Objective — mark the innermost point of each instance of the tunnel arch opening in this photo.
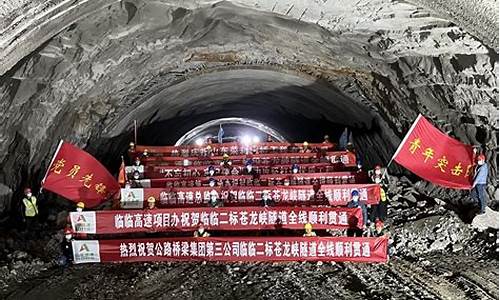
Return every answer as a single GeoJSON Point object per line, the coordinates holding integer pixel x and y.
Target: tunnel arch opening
{"type": "Point", "coordinates": [207, 129]}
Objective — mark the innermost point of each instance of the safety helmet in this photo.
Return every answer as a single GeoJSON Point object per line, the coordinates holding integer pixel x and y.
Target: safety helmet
{"type": "Point", "coordinates": [151, 199]}
{"type": "Point", "coordinates": [305, 144]}
{"type": "Point", "coordinates": [68, 230]}
{"type": "Point", "coordinates": [131, 144]}
{"type": "Point", "coordinates": [27, 190]}
{"type": "Point", "coordinates": [308, 226]}
{"type": "Point", "coordinates": [225, 155]}
{"type": "Point", "coordinates": [80, 205]}
{"type": "Point", "coordinates": [326, 137]}
{"type": "Point", "coordinates": [481, 157]}
{"type": "Point", "coordinates": [378, 167]}
{"type": "Point", "coordinates": [354, 193]}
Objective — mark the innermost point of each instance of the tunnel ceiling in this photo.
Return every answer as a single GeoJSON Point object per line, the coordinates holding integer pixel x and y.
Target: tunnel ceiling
{"type": "Point", "coordinates": [84, 70]}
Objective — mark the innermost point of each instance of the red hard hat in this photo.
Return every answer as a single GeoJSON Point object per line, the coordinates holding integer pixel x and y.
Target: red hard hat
{"type": "Point", "coordinates": [27, 190]}
{"type": "Point", "coordinates": [481, 157]}
{"type": "Point", "coordinates": [68, 230]}
{"type": "Point", "coordinates": [378, 167]}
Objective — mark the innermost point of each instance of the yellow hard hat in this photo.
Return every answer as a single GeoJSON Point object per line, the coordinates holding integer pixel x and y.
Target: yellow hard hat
{"type": "Point", "coordinates": [308, 226]}
{"type": "Point", "coordinates": [80, 205]}
{"type": "Point", "coordinates": [131, 144]}
{"type": "Point", "coordinates": [305, 144]}
{"type": "Point", "coordinates": [225, 155]}
{"type": "Point", "coordinates": [151, 199]}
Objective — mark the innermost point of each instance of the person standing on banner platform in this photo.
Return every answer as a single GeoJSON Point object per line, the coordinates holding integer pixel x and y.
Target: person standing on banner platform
{"type": "Point", "coordinates": [30, 209]}
{"type": "Point", "coordinates": [355, 203]}
{"type": "Point", "coordinates": [478, 191]}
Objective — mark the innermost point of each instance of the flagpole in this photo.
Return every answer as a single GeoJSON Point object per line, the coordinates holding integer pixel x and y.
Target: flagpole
{"type": "Point", "coordinates": [51, 161]}
{"type": "Point", "coordinates": [402, 143]}
{"type": "Point", "coordinates": [135, 132]}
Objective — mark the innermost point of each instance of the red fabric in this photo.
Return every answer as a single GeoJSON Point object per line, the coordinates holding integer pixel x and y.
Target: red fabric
{"type": "Point", "coordinates": [335, 195]}
{"type": "Point", "coordinates": [242, 180]}
{"type": "Point", "coordinates": [362, 249]}
{"type": "Point", "coordinates": [91, 183]}
{"type": "Point", "coordinates": [451, 162]}
{"type": "Point", "coordinates": [224, 218]}
{"type": "Point", "coordinates": [196, 171]}
{"type": "Point", "coordinates": [269, 156]}
{"type": "Point", "coordinates": [230, 148]}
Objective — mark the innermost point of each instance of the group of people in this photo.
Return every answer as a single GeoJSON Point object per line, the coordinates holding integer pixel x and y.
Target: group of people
{"type": "Point", "coordinates": [374, 216]}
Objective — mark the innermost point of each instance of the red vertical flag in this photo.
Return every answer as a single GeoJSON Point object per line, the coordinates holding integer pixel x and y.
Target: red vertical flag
{"type": "Point", "coordinates": [436, 157]}
{"type": "Point", "coordinates": [78, 176]}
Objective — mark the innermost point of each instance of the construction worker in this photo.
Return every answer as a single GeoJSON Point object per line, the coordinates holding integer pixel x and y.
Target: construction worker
{"type": "Point", "coordinates": [250, 170]}
{"type": "Point", "coordinates": [67, 247]}
{"type": "Point", "coordinates": [226, 162]}
{"type": "Point", "coordinates": [308, 230]}
{"type": "Point", "coordinates": [379, 228]}
{"type": "Point", "coordinates": [305, 148]}
{"type": "Point", "coordinates": [326, 139]}
{"type": "Point", "coordinates": [295, 168]}
{"type": "Point", "coordinates": [80, 206]}
{"type": "Point", "coordinates": [478, 191]}
{"type": "Point", "coordinates": [200, 232]}
{"type": "Point", "coordinates": [151, 203]}
{"type": "Point", "coordinates": [214, 201]}
{"type": "Point", "coordinates": [355, 203]}
{"type": "Point", "coordinates": [131, 147]}
{"type": "Point", "coordinates": [377, 173]}
{"type": "Point", "coordinates": [137, 162]}
{"type": "Point", "coordinates": [266, 200]}
{"type": "Point", "coordinates": [212, 182]}
{"type": "Point", "coordinates": [30, 209]}
{"type": "Point", "coordinates": [211, 170]}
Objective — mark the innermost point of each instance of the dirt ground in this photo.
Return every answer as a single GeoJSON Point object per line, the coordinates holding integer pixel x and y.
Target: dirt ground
{"type": "Point", "coordinates": [431, 277]}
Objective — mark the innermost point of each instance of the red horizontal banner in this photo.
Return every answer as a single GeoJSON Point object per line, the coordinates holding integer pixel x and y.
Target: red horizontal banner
{"type": "Point", "coordinates": [342, 249]}
{"type": "Point", "coordinates": [262, 180]}
{"type": "Point", "coordinates": [198, 171]}
{"type": "Point", "coordinates": [224, 218]}
{"type": "Point", "coordinates": [283, 158]}
{"type": "Point", "coordinates": [229, 148]}
{"type": "Point", "coordinates": [335, 195]}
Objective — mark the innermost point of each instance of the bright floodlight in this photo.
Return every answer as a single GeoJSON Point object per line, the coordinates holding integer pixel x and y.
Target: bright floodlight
{"type": "Point", "coordinates": [199, 142]}
{"type": "Point", "coordinates": [255, 139]}
{"type": "Point", "coordinates": [246, 140]}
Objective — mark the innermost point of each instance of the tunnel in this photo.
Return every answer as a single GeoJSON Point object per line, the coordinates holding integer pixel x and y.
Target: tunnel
{"type": "Point", "coordinates": [84, 71]}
